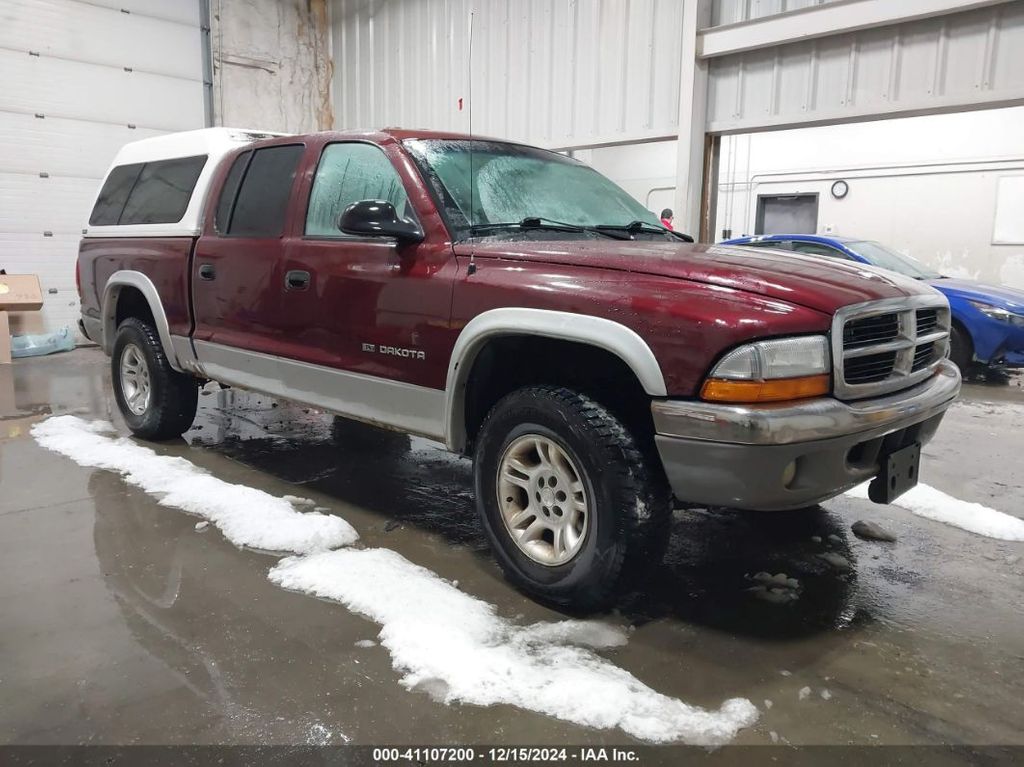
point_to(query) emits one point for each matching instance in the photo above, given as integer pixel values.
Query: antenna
(472, 185)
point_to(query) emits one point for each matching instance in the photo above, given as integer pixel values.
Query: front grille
(873, 367)
(927, 321)
(883, 346)
(923, 355)
(871, 330)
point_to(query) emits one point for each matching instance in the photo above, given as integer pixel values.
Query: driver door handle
(296, 279)
(207, 272)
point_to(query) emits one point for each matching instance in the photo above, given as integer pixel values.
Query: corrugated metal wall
(80, 79)
(551, 72)
(974, 58)
(733, 11)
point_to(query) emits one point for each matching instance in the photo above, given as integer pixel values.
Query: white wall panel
(552, 72)
(966, 60)
(90, 33)
(65, 61)
(1008, 227)
(735, 11)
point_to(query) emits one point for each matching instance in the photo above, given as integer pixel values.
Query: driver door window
(349, 173)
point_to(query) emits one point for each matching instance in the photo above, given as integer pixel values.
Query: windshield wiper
(537, 222)
(637, 227)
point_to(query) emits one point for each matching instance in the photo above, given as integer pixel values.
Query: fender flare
(129, 278)
(605, 334)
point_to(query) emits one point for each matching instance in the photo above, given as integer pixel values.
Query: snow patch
(246, 516)
(934, 504)
(445, 642)
(457, 648)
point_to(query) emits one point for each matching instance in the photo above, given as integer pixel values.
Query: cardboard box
(18, 292)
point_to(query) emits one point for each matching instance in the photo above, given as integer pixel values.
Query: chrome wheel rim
(135, 383)
(543, 500)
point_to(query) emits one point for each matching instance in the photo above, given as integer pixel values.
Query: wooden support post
(5, 338)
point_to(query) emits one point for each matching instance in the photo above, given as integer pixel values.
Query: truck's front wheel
(157, 402)
(572, 505)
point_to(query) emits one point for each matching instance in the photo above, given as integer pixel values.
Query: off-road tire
(173, 398)
(628, 496)
(961, 350)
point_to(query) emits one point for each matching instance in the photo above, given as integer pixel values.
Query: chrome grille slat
(883, 346)
(888, 346)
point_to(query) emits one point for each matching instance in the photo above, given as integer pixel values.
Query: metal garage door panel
(98, 93)
(53, 260)
(182, 11)
(34, 204)
(62, 147)
(98, 35)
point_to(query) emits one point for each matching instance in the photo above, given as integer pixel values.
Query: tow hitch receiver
(897, 475)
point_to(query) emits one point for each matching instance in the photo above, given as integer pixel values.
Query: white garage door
(80, 79)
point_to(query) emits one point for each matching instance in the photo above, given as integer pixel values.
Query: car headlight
(998, 313)
(771, 371)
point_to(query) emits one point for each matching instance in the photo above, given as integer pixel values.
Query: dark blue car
(988, 320)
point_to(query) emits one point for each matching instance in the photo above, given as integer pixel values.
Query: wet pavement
(121, 623)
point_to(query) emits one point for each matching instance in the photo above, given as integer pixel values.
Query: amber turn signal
(778, 390)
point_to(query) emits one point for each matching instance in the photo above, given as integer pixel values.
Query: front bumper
(785, 456)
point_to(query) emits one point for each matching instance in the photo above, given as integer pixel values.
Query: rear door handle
(207, 272)
(296, 280)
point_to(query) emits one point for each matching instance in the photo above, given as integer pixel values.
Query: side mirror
(378, 218)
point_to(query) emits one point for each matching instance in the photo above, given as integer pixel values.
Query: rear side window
(162, 191)
(266, 187)
(114, 195)
(147, 193)
(222, 216)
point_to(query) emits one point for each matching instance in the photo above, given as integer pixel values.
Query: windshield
(512, 183)
(879, 255)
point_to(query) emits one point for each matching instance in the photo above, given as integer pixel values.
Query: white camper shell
(165, 177)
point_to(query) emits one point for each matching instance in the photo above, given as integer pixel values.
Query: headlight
(998, 313)
(771, 371)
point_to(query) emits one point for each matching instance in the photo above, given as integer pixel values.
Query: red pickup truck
(522, 309)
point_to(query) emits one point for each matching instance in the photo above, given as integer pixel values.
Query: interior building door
(787, 214)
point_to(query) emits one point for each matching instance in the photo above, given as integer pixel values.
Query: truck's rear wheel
(572, 506)
(156, 401)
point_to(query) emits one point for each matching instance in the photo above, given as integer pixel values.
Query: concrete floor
(123, 624)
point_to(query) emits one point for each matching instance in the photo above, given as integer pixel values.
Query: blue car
(988, 320)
